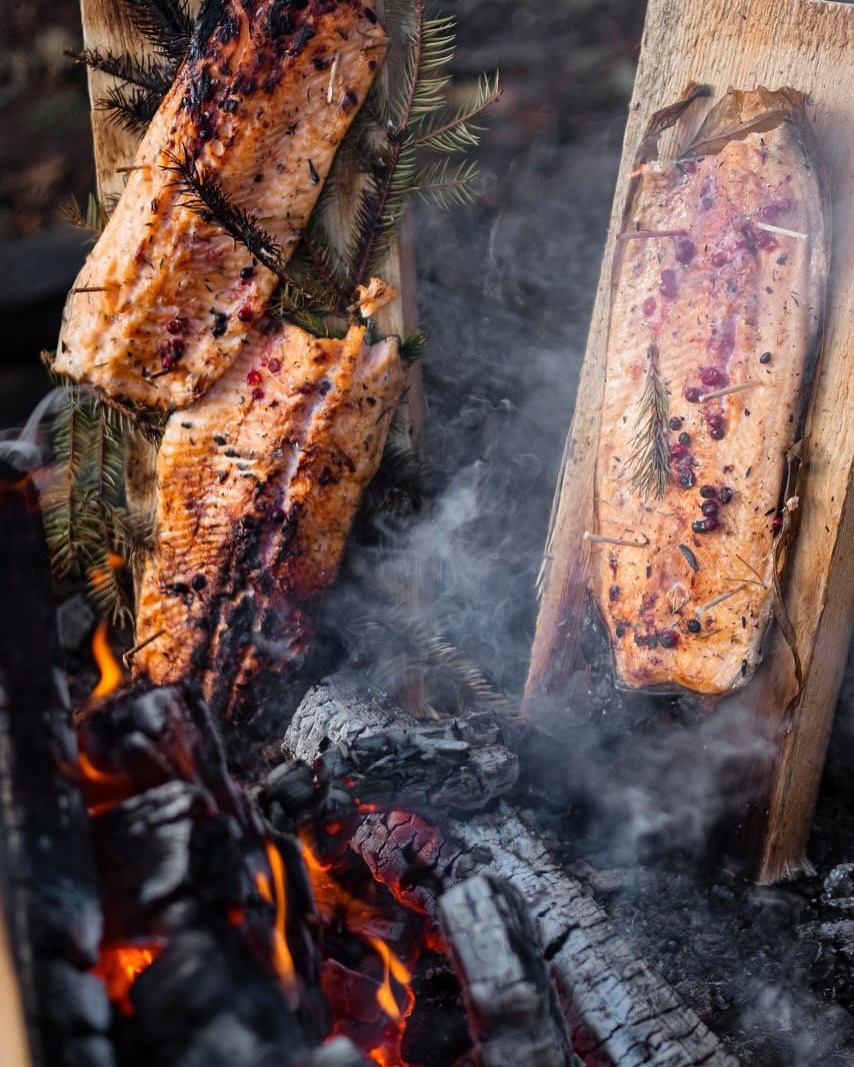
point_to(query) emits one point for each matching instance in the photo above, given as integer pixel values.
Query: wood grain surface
(15, 1043)
(806, 44)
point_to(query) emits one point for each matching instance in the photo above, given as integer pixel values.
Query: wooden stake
(745, 43)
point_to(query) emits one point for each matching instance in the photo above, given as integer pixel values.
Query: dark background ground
(505, 289)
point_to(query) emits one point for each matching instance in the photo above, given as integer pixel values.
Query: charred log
(364, 749)
(620, 1012)
(512, 1006)
(49, 890)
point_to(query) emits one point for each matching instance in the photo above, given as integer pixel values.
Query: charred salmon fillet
(258, 485)
(168, 296)
(714, 329)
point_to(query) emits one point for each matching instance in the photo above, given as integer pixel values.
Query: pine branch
(445, 183)
(84, 510)
(651, 453)
(457, 132)
(167, 24)
(155, 77)
(209, 200)
(133, 108)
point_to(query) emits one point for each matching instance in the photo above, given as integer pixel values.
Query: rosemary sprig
(651, 452)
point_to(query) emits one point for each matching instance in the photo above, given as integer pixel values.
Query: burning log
(620, 1012)
(717, 46)
(49, 885)
(180, 847)
(208, 1000)
(511, 1003)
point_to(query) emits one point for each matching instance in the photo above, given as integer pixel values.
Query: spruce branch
(149, 74)
(207, 198)
(651, 454)
(445, 183)
(84, 509)
(399, 134)
(458, 132)
(132, 107)
(166, 24)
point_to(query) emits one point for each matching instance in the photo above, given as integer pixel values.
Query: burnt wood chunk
(363, 745)
(49, 887)
(208, 1000)
(620, 1012)
(511, 1004)
(181, 848)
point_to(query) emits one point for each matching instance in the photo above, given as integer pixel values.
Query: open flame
(111, 671)
(276, 895)
(393, 995)
(120, 965)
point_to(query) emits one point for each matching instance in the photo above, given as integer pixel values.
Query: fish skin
(742, 293)
(261, 104)
(258, 486)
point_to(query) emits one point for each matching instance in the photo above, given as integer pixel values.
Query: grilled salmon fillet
(258, 485)
(166, 300)
(715, 324)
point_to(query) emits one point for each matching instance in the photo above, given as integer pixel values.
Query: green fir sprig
(395, 150)
(89, 532)
(651, 451)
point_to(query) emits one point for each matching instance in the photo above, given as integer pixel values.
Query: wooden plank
(806, 44)
(16, 1046)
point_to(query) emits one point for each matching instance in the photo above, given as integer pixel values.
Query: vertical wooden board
(806, 44)
(108, 29)
(16, 1045)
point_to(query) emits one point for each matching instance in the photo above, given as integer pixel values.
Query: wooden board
(809, 45)
(16, 1045)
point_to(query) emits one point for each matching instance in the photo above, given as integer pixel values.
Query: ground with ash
(505, 291)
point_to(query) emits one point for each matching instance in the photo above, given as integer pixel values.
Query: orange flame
(392, 966)
(283, 961)
(102, 789)
(111, 672)
(120, 965)
(334, 902)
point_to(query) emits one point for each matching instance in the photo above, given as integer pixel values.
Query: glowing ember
(120, 965)
(111, 672)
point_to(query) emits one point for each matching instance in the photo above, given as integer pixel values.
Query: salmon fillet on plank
(715, 324)
(167, 298)
(258, 485)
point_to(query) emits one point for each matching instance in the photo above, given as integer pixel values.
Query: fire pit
(356, 884)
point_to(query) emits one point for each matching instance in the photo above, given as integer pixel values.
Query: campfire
(295, 797)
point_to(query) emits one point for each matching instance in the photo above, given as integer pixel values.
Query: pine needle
(651, 452)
